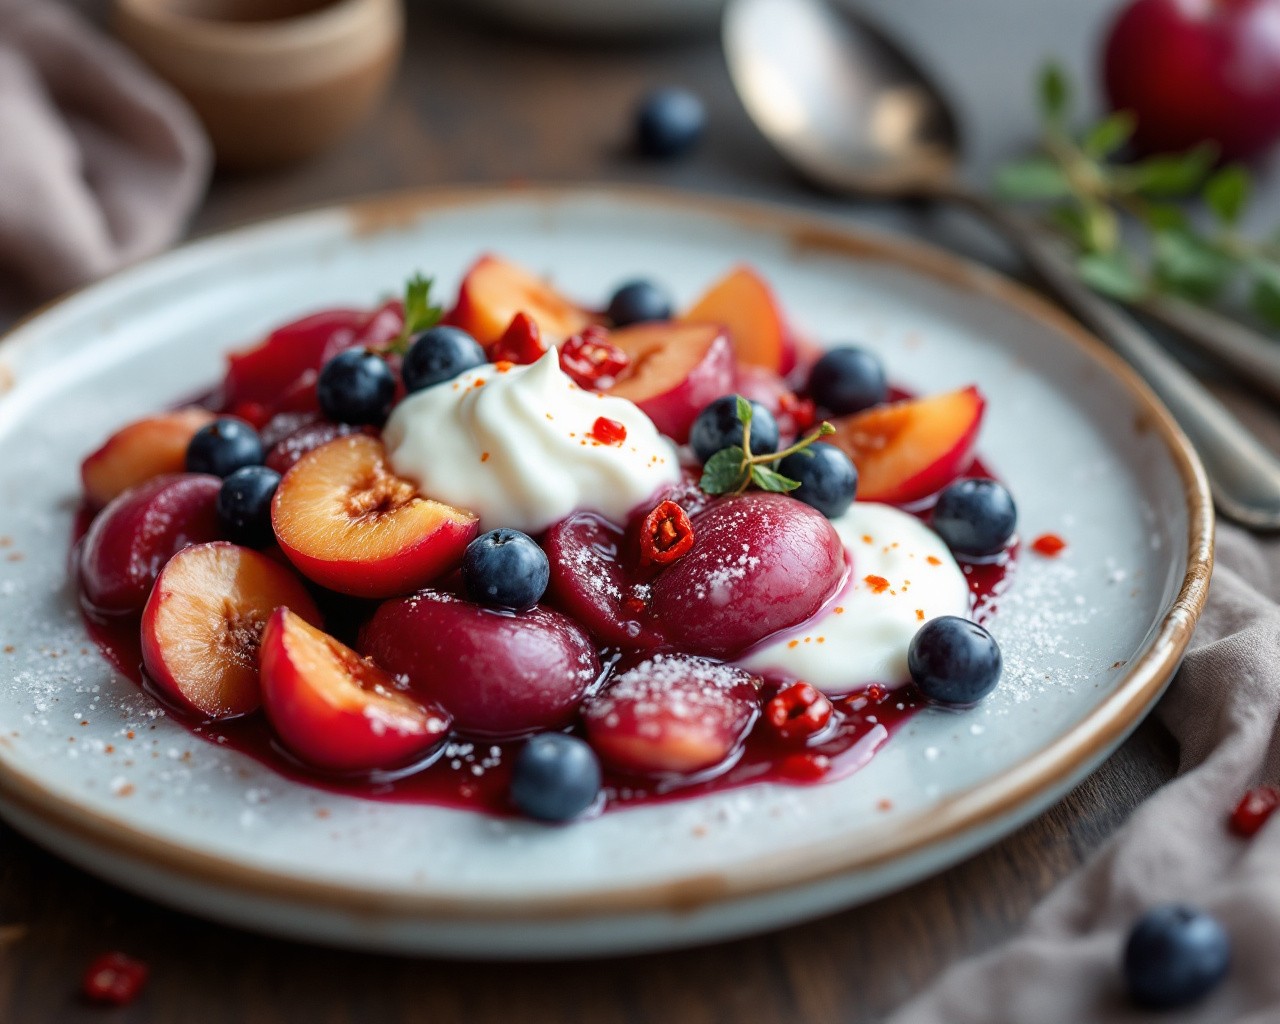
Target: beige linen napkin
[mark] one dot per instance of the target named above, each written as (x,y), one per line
(1223,710)
(100,162)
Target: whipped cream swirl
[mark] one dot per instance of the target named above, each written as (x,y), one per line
(515,445)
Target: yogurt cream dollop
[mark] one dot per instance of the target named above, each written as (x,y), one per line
(514,445)
(902,575)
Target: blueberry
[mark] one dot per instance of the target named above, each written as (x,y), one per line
(828,479)
(505,569)
(718,426)
(555,777)
(440,354)
(847,380)
(954,661)
(639,301)
(356,386)
(225,445)
(244,505)
(1174,956)
(975,517)
(669,122)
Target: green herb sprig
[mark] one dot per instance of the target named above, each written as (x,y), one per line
(732,470)
(1092,198)
(420,314)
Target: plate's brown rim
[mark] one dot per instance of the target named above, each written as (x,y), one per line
(982,805)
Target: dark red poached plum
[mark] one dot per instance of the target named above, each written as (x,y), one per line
(759,563)
(590,581)
(498,673)
(132,538)
(672,714)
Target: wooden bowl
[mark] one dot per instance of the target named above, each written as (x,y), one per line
(273,80)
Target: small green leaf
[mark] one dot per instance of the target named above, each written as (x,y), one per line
(1109,134)
(419,313)
(1227,193)
(1055,92)
(1189,266)
(1163,216)
(725,471)
(771,480)
(744,411)
(1036,178)
(1111,274)
(1070,221)
(1101,231)
(1171,176)
(1265,297)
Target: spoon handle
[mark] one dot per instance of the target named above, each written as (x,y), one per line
(1244,474)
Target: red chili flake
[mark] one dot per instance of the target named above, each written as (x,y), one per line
(878,584)
(1253,810)
(592,360)
(807,767)
(114,979)
(665,535)
(521,343)
(920,615)
(874,693)
(933,559)
(484,456)
(802,411)
(633,604)
(797,712)
(1048,544)
(608,431)
(254,413)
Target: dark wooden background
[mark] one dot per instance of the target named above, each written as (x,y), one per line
(471,104)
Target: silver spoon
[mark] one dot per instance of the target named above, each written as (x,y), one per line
(853,113)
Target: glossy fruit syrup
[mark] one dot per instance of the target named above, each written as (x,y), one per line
(474,773)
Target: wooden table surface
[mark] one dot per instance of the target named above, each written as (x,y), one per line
(469,105)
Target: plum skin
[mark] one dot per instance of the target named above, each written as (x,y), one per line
(500,674)
(760,563)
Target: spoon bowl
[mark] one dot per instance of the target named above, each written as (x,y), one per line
(847,107)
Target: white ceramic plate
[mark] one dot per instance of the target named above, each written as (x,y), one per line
(1090,638)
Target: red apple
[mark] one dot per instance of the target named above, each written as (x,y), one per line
(908,450)
(135,453)
(759,563)
(337,710)
(744,304)
(494,291)
(675,369)
(204,620)
(499,673)
(672,714)
(131,539)
(345,519)
(1192,71)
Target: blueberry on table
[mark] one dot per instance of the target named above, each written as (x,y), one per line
(225,445)
(975,517)
(244,505)
(356,387)
(827,476)
(638,302)
(954,661)
(505,569)
(718,426)
(847,380)
(1175,955)
(440,354)
(669,122)
(555,777)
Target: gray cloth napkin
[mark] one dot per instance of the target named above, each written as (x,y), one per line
(100,162)
(1223,710)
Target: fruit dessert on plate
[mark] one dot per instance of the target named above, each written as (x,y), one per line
(532,557)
